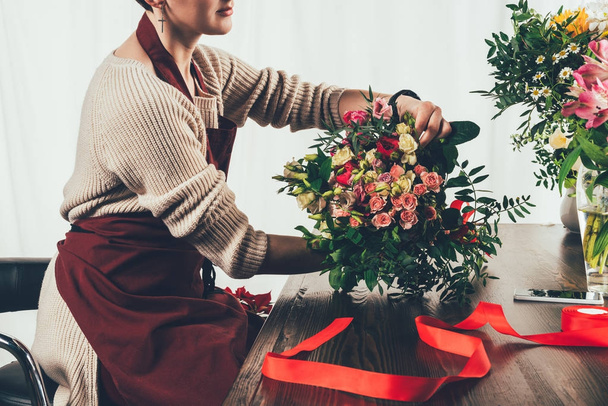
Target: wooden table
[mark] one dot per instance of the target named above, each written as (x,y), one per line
(383,336)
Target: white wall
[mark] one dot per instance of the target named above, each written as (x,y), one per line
(48,52)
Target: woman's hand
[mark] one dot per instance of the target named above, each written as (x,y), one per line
(430,123)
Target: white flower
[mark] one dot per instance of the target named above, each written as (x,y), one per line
(538,76)
(407,144)
(560,55)
(341,157)
(558,139)
(565,74)
(545,91)
(370,156)
(574,48)
(597,17)
(540,59)
(403,128)
(535,93)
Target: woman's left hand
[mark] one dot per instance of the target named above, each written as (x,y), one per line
(430,123)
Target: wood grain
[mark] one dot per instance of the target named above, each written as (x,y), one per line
(383,336)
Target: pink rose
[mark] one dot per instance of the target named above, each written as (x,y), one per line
(419,189)
(359,192)
(397,171)
(418,169)
(378,164)
(432,180)
(430,213)
(370,188)
(354,223)
(381,220)
(397,202)
(385,177)
(336,211)
(376,203)
(355,117)
(381,109)
(410,201)
(408,219)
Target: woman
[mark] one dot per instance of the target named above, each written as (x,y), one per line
(125,317)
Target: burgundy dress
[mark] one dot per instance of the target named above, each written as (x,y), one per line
(137,294)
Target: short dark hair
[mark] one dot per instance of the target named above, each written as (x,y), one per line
(144,4)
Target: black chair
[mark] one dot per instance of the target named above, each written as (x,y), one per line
(22,382)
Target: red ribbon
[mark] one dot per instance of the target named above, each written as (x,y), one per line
(581,326)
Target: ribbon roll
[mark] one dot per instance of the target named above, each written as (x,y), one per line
(581,326)
(584,318)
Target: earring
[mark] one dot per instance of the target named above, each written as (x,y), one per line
(162,19)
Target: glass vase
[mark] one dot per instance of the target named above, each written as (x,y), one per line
(592,215)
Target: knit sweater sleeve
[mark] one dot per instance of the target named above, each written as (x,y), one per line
(154,145)
(273,97)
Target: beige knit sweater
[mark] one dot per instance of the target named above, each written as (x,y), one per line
(141,147)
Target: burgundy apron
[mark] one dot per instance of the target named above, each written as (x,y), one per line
(137,294)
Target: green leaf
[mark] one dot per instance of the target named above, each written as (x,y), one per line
(594,152)
(511,216)
(485,200)
(325,171)
(371,279)
(462,131)
(567,165)
(335,278)
(601,241)
(458,181)
(601,180)
(304,231)
(475,171)
(450,153)
(316,185)
(480,178)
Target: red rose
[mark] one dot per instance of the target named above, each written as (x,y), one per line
(386,146)
(355,117)
(345,177)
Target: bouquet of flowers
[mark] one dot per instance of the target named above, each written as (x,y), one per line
(533,69)
(380,206)
(587,114)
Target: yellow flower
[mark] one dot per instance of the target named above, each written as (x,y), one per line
(403,128)
(305,199)
(370,156)
(405,183)
(558,139)
(576,27)
(341,157)
(407,143)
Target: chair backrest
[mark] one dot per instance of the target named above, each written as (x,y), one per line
(20,282)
